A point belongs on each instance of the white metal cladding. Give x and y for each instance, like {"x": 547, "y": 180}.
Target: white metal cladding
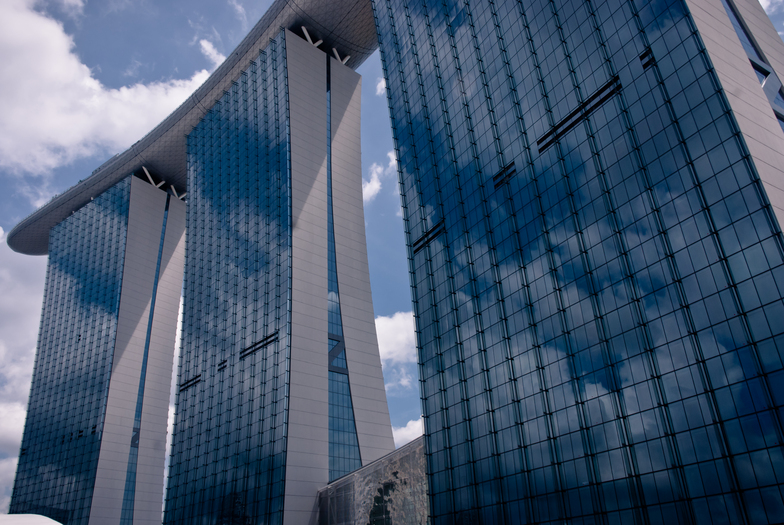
{"x": 368, "y": 396}
{"x": 751, "y": 108}
{"x": 346, "y": 25}
{"x": 307, "y": 448}
{"x": 160, "y": 360}
{"x": 145, "y": 220}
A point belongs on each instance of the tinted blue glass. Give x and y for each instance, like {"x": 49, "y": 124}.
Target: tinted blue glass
{"x": 587, "y": 253}
{"x": 741, "y": 32}
{"x": 779, "y": 100}
{"x": 344, "y": 454}
{"x": 340, "y": 360}
{"x": 781, "y": 123}
{"x": 229, "y": 440}
{"x": 760, "y": 76}
{"x": 73, "y": 363}
{"x": 343, "y": 446}
{"x": 335, "y": 322}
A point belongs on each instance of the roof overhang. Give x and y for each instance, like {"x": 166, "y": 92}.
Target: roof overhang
{"x": 345, "y": 25}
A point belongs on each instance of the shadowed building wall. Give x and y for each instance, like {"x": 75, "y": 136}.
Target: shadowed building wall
{"x": 592, "y": 195}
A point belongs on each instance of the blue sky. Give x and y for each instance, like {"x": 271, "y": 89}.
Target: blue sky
{"x": 81, "y": 80}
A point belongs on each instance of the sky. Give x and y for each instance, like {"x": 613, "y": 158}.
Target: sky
{"x": 82, "y": 80}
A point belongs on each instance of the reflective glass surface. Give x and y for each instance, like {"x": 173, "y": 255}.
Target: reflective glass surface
{"x": 779, "y": 101}
{"x": 65, "y": 415}
{"x": 343, "y": 446}
{"x": 742, "y": 35}
{"x": 229, "y": 440}
{"x": 596, "y": 275}
{"x": 344, "y": 454}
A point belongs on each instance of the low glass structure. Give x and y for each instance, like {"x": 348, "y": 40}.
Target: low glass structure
{"x": 390, "y": 491}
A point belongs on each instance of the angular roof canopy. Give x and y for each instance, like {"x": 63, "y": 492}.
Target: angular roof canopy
{"x": 345, "y": 25}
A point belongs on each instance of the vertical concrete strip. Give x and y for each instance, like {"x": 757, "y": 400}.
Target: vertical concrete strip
{"x": 307, "y": 453}
{"x": 368, "y": 396}
{"x": 145, "y": 219}
{"x": 160, "y": 357}
{"x": 751, "y": 107}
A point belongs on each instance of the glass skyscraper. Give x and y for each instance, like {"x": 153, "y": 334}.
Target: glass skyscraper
{"x": 280, "y": 384}
{"x": 94, "y": 440}
{"x": 592, "y": 195}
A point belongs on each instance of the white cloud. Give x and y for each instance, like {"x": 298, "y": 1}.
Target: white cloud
{"x": 7, "y": 474}
{"x": 13, "y": 417}
{"x": 2, "y": 235}
{"x": 396, "y": 338}
{"x": 371, "y": 187}
{"x": 398, "y": 378}
{"x": 239, "y": 10}
{"x": 76, "y": 6}
{"x": 771, "y": 6}
{"x": 410, "y": 432}
{"x": 71, "y": 8}
{"x": 397, "y": 347}
{"x": 53, "y": 111}
{"x": 212, "y": 54}
{"x": 381, "y": 87}
{"x": 133, "y": 69}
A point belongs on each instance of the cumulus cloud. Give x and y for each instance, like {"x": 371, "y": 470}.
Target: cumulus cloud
{"x": 410, "y": 432}
{"x": 397, "y": 347}
{"x": 771, "y": 6}
{"x": 377, "y": 172}
{"x": 396, "y": 338}
{"x": 381, "y": 87}
{"x": 13, "y": 417}
{"x": 212, "y": 54}
{"x": 370, "y": 188}
{"x": 53, "y": 111}
{"x": 7, "y": 474}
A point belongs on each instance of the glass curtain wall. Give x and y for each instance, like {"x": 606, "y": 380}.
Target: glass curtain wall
{"x": 596, "y": 274}
{"x": 229, "y": 441}
{"x": 62, "y": 439}
{"x": 344, "y": 454}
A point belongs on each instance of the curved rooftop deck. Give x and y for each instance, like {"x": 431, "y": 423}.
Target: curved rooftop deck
{"x": 345, "y": 25}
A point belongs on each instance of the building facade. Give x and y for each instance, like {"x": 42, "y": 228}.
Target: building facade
{"x": 280, "y": 383}
{"x": 592, "y": 196}
{"x": 279, "y": 386}
{"x": 94, "y": 441}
